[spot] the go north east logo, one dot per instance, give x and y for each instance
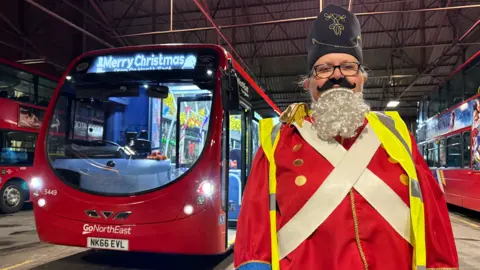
(87, 228)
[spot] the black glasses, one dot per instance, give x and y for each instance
(348, 69)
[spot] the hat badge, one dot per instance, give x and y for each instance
(336, 26)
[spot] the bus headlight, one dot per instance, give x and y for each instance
(41, 202)
(36, 183)
(188, 209)
(206, 188)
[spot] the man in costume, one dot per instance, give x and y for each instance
(337, 186)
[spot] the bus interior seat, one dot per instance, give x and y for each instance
(235, 154)
(143, 135)
(43, 102)
(24, 98)
(130, 137)
(142, 147)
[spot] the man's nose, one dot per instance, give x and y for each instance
(337, 74)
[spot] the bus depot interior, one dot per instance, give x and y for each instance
(125, 121)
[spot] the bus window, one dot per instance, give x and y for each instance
(424, 152)
(236, 134)
(432, 155)
(466, 149)
(21, 85)
(17, 148)
(429, 157)
(45, 91)
(442, 150)
(255, 137)
(114, 127)
(454, 150)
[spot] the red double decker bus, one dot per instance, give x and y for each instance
(157, 148)
(24, 97)
(450, 139)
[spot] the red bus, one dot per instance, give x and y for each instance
(450, 140)
(24, 97)
(144, 162)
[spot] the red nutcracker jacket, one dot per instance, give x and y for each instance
(355, 235)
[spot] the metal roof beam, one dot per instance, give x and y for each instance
(19, 32)
(434, 64)
(209, 18)
(91, 20)
(268, 35)
(372, 48)
(67, 22)
(298, 20)
(254, 6)
(103, 16)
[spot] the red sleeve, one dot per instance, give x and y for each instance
(441, 249)
(252, 241)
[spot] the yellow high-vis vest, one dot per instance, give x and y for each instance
(395, 138)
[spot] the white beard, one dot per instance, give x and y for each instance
(339, 111)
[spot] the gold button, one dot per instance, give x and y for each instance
(300, 180)
(298, 162)
(391, 160)
(297, 147)
(404, 179)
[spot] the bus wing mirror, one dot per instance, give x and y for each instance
(157, 92)
(230, 92)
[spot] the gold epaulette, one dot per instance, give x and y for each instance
(295, 112)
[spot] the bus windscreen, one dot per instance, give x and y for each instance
(132, 123)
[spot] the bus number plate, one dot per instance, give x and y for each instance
(107, 243)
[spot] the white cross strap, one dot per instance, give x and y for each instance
(350, 172)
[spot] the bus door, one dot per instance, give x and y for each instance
(240, 141)
(238, 148)
(239, 160)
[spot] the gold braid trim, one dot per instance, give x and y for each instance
(357, 234)
(296, 112)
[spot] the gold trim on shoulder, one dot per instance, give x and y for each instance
(295, 113)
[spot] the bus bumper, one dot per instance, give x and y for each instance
(201, 234)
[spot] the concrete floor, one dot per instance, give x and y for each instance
(20, 249)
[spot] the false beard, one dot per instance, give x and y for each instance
(339, 111)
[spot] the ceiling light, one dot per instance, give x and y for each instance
(393, 103)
